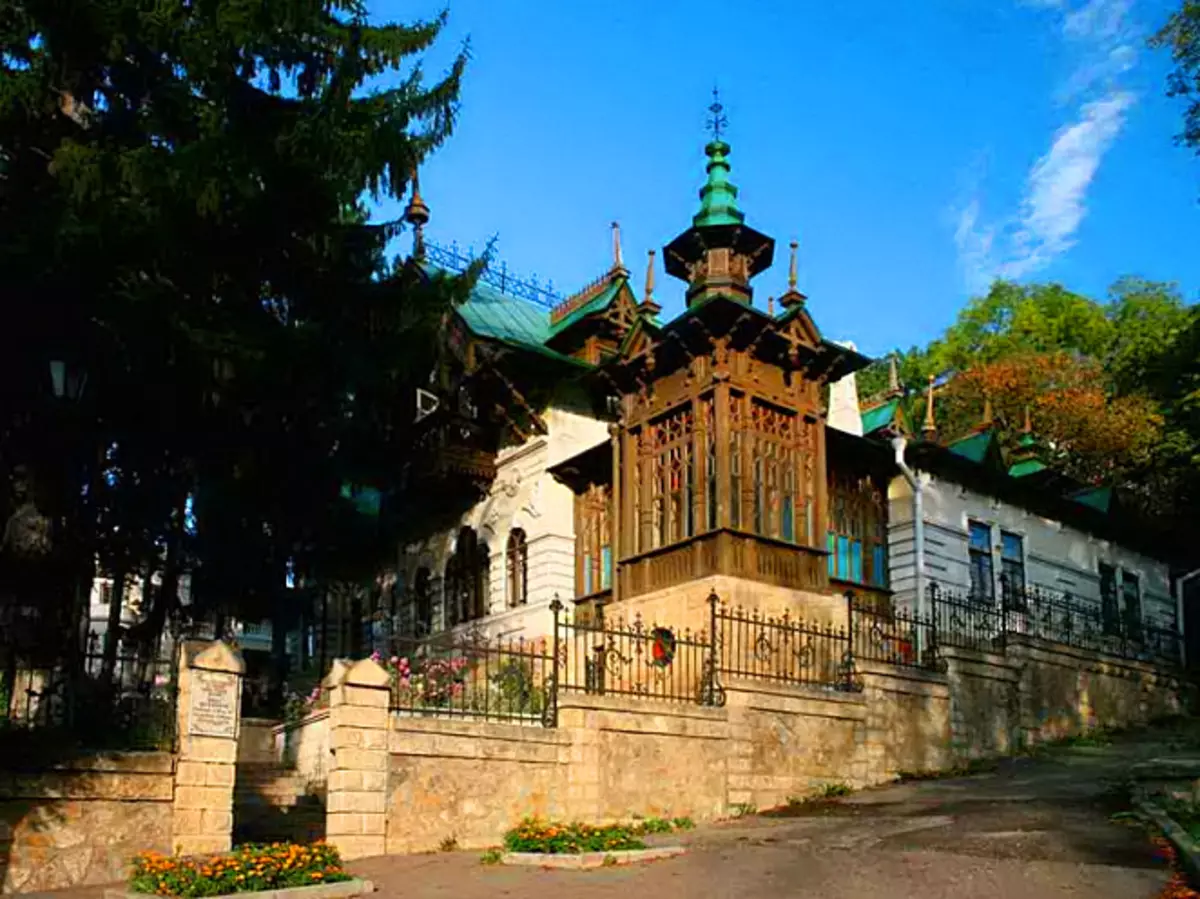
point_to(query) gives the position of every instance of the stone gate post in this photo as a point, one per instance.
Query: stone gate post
(208, 715)
(356, 797)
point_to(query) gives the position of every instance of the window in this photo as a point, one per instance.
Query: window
(1012, 569)
(518, 568)
(1110, 615)
(1132, 595)
(980, 562)
(857, 538)
(593, 541)
(466, 581)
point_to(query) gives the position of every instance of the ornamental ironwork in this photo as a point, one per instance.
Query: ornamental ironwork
(454, 259)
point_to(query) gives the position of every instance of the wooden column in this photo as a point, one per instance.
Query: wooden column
(721, 399)
(699, 480)
(820, 487)
(646, 461)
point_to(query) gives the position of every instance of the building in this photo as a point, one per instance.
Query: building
(592, 452)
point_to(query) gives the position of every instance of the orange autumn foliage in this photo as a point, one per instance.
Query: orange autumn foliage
(1081, 430)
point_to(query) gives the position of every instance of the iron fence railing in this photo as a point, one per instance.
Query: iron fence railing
(964, 620)
(629, 657)
(786, 650)
(119, 697)
(897, 637)
(971, 620)
(472, 675)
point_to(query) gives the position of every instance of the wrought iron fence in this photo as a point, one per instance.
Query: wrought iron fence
(124, 698)
(784, 650)
(982, 621)
(966, 620)
(895, 636)
(629, 657)
(472, 675)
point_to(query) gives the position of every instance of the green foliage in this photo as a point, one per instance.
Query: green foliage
(1181, 36)
(532, 835)
(491, 857)
(247, 869)
(180, 213)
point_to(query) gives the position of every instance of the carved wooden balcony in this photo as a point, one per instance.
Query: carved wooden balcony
(728, 552)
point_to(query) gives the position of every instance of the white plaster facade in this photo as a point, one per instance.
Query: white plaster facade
(524, 495)
(1056, 556)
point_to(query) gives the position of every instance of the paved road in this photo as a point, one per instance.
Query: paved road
(1033, 828)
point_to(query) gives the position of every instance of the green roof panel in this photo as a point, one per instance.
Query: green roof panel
(879, 417)
(1099, 498)
(974, 447)
(490, 313)
(1026, 467)
(595, 304)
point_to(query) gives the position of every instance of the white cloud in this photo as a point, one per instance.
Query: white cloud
(1054, 200)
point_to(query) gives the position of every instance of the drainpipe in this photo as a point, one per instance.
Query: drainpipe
(899, 443)
(1179, 617)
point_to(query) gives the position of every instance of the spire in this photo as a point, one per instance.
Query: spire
(986, 421)
(648, 306)
(930, 429)
(793, 297)
(893, 378)
(417, 215)
(1027, 428)
(719, 254)
(618, 261)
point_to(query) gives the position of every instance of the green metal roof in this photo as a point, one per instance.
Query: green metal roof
(974, 446)
(1099, 498)
(595, 304)
(1026, 467)
(490, 313)
(880, 416)
(718, 197)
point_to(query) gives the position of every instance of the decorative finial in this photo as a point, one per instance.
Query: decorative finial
(717, 121)
(417, 215)
(930, 429)
(893, 377)
(986, 422)
(770, 305)
(792, 279)
(1027, 428)
(618, 262)
(648, 305)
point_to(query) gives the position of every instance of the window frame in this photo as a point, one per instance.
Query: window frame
(978, 554)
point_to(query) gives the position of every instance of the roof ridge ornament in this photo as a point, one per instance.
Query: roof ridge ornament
(618, 260)
(416, 213)
(930, 429)
(717, 120)
(648, 306)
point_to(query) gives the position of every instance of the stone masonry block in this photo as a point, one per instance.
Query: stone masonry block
(360, 716)
(213, 821)
(186, 821)
(208, 749)
(219, 775)
(201, 844)
(346, 737)
(371, 697)
(374, 781)
(191, 774)
(345, 780)
(352, 847)
(375, 739)
(356, 802)
(360, 760)
(337, 823)
(203, 798)
(374, 824)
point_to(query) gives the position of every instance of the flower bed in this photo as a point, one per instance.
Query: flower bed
(551, 838)
(247, 869)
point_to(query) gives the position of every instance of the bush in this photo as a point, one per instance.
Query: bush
(246, 869)
(532, 835)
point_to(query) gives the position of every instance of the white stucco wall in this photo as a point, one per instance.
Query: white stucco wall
(524, 495)
(1057, 556)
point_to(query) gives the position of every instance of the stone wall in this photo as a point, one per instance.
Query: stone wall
(617, 757)
(468, 781)
(80, 822)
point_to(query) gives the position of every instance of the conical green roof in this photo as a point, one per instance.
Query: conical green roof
(718, 197)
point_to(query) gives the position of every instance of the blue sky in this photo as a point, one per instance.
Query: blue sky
(914, 150)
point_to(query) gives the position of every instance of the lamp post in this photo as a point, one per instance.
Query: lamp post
(67, 384)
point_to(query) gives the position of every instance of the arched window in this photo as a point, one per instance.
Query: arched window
(518, 568)
(466, 584)
(422, 592)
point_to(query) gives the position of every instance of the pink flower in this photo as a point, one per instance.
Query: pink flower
(376, 656)
(394, 660)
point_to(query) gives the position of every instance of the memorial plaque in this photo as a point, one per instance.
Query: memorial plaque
(213, 710)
